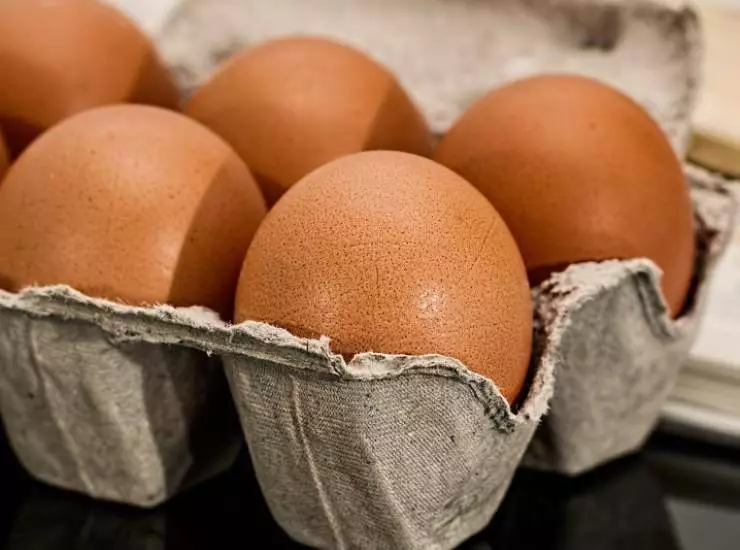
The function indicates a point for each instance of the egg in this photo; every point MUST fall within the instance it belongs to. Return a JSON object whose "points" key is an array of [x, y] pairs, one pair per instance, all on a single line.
{"points": [[579, 172], [290, 105], [4, 160], [131, 203], [60, 57], [390, 252]]}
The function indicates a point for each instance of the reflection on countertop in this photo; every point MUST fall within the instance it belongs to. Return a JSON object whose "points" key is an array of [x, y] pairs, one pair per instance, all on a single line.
{"points": [[669, 497], [217, 514], [621, 505]]}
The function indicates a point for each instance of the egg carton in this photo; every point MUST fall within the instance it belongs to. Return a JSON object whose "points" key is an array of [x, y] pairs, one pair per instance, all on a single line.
{"points": [[622, 352], [617, 350], [447, 53], [117, 420], [348, 454], [381, 451]]}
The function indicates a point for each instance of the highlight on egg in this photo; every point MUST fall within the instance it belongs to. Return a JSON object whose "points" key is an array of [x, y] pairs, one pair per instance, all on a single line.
{"points": [[579, 172], [390, 252], [290, 105], [62, 57], [131, 203]]}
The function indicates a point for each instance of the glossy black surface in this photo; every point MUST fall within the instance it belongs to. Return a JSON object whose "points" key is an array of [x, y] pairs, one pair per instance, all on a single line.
{"points": [[674, 495]]}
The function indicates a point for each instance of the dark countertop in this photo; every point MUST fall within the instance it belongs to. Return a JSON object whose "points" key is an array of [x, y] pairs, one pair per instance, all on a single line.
{"points": [[677, 494]]}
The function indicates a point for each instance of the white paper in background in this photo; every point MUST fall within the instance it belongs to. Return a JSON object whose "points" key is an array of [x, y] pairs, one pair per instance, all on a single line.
{"points": [[734, 4], [719, 339], [717, 349], [718, 113], [151, 15]]}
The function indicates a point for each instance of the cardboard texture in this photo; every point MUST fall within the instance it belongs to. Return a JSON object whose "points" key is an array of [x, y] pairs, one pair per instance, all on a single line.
{"points": [[353, 454], [384, 451], [622, 352], [123, 421], [447, 53], [375, 423], [363, 455]]}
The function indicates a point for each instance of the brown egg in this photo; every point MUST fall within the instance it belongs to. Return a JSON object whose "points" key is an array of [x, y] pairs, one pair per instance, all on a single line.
{"points": [[4, 160], [289, 106], [579, 172], [390, 252], [60, 57], [130, 203]]}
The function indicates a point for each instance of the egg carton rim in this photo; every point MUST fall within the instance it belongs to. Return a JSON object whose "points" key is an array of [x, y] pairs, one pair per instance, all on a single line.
{"points": [[573, 288], [201, 329]]}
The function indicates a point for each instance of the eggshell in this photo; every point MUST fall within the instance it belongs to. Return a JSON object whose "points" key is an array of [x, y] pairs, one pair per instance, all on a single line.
{"points": [[4, 160], [131, 203], [579, 172], [290, 105], [60, 57], [390, 252]]}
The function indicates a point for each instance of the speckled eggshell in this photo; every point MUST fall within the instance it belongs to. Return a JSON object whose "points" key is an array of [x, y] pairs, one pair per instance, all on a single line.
{"points": [[390, 252], [290, 105], [579, 172], [131, 203], [60, 57]]}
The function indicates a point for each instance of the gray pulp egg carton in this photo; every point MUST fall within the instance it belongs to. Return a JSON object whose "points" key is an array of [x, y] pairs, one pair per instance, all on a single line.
{"points": [[616, 351], [384, 451], [620, 351], [448, 53], [88, 410]]}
